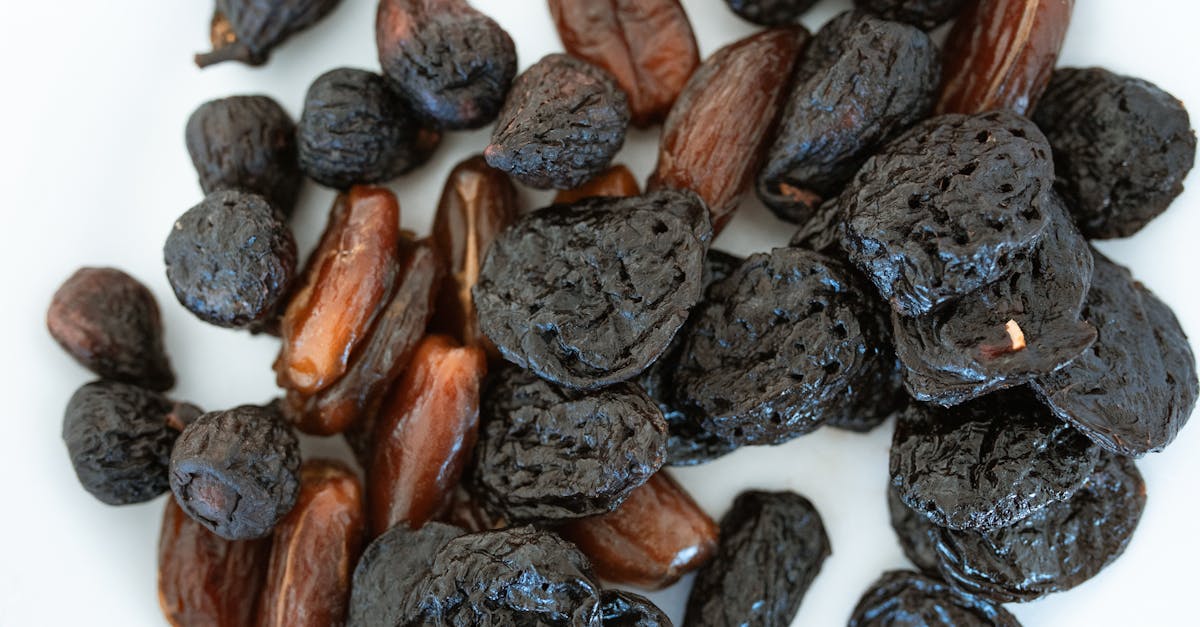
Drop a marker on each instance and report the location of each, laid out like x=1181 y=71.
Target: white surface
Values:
x=94 y=170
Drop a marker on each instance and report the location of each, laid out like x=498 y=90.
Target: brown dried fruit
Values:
x=247 y=30
x=615 y=181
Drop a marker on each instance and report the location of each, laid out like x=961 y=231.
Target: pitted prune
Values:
x=237 y=471
x=770 y=12
x=772 y=547
x=615 y=181
x=246 y=143
x=247 y=30
x=861 y=82
x=988 y=463
x=1122 y=148
x=562 y=123
x=1135 y=388
x=590 y=294
x=926 y=14
x=619 y=608
x=548 y=453
x=906 y=598
x=231 y=259
x=946 y=209
x=109 y=322
x=913 y=531
x=452 y=63
x=391 y=570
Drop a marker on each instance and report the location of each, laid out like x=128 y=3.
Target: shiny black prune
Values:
x=390 y=572
x=946 y=208
x=247 y=30
x=770 y=12
x=772 y=547
x=561 y=125
x=913 y=531
x=591 y=293
x=926 y=14
x=1136 y=387
x=231 y=259
x=861 y=82
x=246 y=143
x=626 y=609
x=1122 y=148
x=906 y=598
x=356 y=129
x=549 y=453
x=237 y=471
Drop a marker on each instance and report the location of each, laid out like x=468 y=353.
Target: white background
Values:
x=94 y=171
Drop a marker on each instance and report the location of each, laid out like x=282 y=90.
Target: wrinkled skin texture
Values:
x=1122 y=148
x=988 y=463
x=912 y=530
x=1136 y=387
x=246 y=143
x=390 y=570
x=109 y=322
x=466 y=512
x=902 y=599
x=562 y=123
x=626 y=609
x=615 y=181
x=926 y=14
x=944 y=210
x=861 y=82
x=770 y=12
x=772 y=547
x=237 y=471
x=231 y=259
x=824 y=231
x=548 y=453
x=452 y=63
x=247 y=30
x=590 y=294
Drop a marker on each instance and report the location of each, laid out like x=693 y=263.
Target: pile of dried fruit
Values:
x=514 y=384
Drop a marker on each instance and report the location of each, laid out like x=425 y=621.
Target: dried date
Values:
x=926 y=14
x=390 y=570
x=247 y=30
x=616 y=181
x=770 y=12
x=905 y=598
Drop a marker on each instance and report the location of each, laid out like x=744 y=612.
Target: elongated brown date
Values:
x=615 y=181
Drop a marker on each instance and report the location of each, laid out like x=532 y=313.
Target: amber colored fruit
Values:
x=425 y=431
x=314 y=550
x=204 y=579
x=1001 y=53
x=713 y=140
x=656 y=536
x=615 y=181
x=647 y=45
x=344 y=291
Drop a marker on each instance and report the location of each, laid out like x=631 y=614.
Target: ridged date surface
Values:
x=615 y=181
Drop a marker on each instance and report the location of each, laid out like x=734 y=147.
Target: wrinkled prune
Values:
x=770 y=12
x=619 y=608
x=453 y=63
x=824 y=231
x=988 y=463
x=709 y=151
x=390 y=570
x=548 y=453
x=861 y=82
x=231 y=259
x=562 y=123
x=247 y=30
x=615 y=181
x=1122 y=148
x=647 y=45
x=926 y=14
x=906 y=598
x=590 y=294
x=246 y=143
x=913 y=530
x=236 y=471
x=1135 y=388
x=109 y=322
x=946 y=209
x=772 y=547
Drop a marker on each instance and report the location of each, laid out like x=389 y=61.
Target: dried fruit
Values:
x=390 y=570
x=466 y=512
x=647 y=45
x=247 y=30
x=905 y=598
x=912 y=529
x=616 y=181
x=926 y=14
x=770 y=12
x=620 y=608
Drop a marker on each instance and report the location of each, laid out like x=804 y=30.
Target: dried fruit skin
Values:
x=109 y=322
x=231 y=259
x=617 y=181
x=647 y=45
x=925 y=14
x=770 y=12
x=247 y=30
x=236 y=471
x=562 y=123
x=655 y=537
x=906 y=598
x=390 y=569
x=772 y=547
x=590 y=294
x=246 y=143
x=715 y=154
x=1001 y=53
x=912 y=530
x=1122 y=148
x=620 y=608
x=468 y=513
x=452 y=63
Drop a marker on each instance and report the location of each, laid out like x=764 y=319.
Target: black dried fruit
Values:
x=246 y=143
x=237 y=471
x=231 y=259
x=247 y=30
x=772 y=547
x=356 y=129
x=906 y=598
x=1122 y=148
x=945 y=209
x=620 y=608
x=926 y=14
x=562 y=123
x=1136 y=387
x=548 y=453
x=452 y=63
x=590 y=294
x=390 y=570
x=913 y=531
x=988 y=463
x=824 y=231
x=109 y=322
x=770 y=12
x=861 y=82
